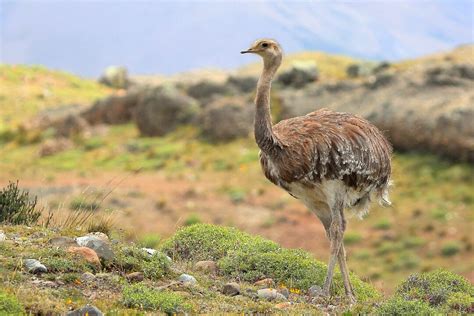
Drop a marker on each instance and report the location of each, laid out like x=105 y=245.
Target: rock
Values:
x=283 y=305
x=54 y=146
x=208 y=266
x=151 y=252
x=270 y=294
x=3 y=237
x=87 y=277
x=265 y=283
x=315 y=291
x=88 y=310
x=115 y=77
x=63 y=242
x=135 y=277
x=205 y=91
x=72 y=125
x=34 y=266
x=284 y=291
x=115 y=109
x=101 y=247
x=187 y=279
x=163 y=109
x=244 y=84
x=231 y=289
x=100 y=235
x=87 y=253
x=299 y=74
x=227 y=118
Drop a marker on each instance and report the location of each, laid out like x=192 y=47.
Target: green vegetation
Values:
x=451 y=248
x=149 y=241
x=398 y=306
x=192 y=219
x=59 y=260
x=209 y=242
x=133 y=259
x=143 y=297
x=9 y=304
x=16 y=206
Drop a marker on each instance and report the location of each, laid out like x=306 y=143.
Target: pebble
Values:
x=102 y=249
x=89 y=310
x=231 y=289
x=284 y=291
x=135 y=277
x=62 y=241
x=315 y=291
x=87 y=253
x=268 y=282
x=186 y=278
x=87 y=277
x=34 y=266
x=207 y=266
x=3 y=237
x=270 y=294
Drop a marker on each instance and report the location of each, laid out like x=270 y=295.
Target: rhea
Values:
x=331 y=161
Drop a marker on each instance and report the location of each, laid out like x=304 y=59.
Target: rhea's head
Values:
x=268 y=49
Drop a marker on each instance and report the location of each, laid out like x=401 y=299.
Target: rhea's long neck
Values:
x=264 y=136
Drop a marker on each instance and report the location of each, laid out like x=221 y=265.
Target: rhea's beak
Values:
x=247 y=51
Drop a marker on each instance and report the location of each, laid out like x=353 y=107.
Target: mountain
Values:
x=169 y=37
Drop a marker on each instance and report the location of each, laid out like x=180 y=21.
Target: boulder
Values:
x=243 y=84
x=231 y=289
x=207 y=266
x=187 y=279
x=299 y=74
x=87 y=253
x=270 y=295
x=115 y=77
x=34 y=266
x=204 y=91
x=115 y=109
x=88 y=310
x=163 y=109
x=227 y=119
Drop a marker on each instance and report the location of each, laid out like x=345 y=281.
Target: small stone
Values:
x=283 y=305
x=207 y=266
x=186 y=278
x=63 y=242
x=315 y=291
x=89 y=310
x=268 y=282
x=102 y=248
x=34 y=266
x=87 y=277
x=270 y=294
x=135 y=277
x=284 y=291
x=231 y=289
x=87 y=253
x=99 y=235
x=3 y=237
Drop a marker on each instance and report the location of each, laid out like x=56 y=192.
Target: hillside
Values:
x=151 y=186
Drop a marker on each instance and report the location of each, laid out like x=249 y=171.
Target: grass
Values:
x=9 y=304
x=145 y=298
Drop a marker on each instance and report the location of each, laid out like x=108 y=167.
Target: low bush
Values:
x=9 y=304
x=134 y=259
x=59 y=260
x=142 y=297
x=450 y=248
x=439 y=288
x=17 y=207
x=209 y=242
x=398 y=306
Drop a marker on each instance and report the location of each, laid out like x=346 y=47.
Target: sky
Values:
x=166 y=37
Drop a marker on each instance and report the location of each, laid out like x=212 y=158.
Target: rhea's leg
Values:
x=336 y=231
x=345 y=274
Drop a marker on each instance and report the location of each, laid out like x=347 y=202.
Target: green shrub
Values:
x=398 y=306
x=435 y=288
x=192 y=219
x=209 y=242
x=462 y=302
x=383 y=224
x=142 y=297
x=9 y=304
x=293 y=267
x=134 y=259
x=149 y=241
x=59 y=260
x=351 y=238
x=16 y=206
x=450 y=248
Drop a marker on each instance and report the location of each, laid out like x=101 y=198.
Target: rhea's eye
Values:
x=264 y=44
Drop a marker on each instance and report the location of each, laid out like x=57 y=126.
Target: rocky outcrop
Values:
x=299 y=74
x=227 y=119
x=163 y=109
x=429 y=109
